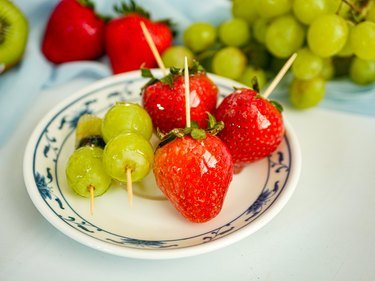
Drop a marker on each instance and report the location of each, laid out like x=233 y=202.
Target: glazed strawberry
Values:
x=194 y=172
x=126 y=44
x=254 y=126
x=73 y=32
x=164 y=99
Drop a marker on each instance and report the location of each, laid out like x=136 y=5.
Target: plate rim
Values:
x=140 y=253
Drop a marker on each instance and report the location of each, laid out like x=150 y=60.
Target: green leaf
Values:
x=255 y=84
x=211 y=121
x=194 y=124
x=167 y=80
x=87 y=3
x=198 y=134
x=132 y=7
x=278 y=106
x=146 y=73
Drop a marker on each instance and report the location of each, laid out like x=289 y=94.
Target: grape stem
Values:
x=351 y=5
x=91 y=188
x=129 y=185
x=187 y=94
x=279 y=76
x=153 y=48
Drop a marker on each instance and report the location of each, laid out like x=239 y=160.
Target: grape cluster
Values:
x=333 y=38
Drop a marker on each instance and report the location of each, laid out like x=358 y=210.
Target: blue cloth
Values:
x=20 y=86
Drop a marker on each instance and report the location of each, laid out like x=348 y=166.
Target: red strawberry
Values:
x=164 y=100
x=126 y=44
x=254 y=126
x=194 y=172
x=74 y=32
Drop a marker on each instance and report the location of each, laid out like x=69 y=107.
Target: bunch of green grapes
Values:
x=332 y=38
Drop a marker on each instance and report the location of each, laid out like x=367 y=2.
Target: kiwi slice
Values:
x=13 y=34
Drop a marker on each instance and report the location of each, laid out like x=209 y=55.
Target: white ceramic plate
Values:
x=151 y=228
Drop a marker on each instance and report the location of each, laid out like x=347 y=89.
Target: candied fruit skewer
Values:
x=84 y=171
x=127 y=128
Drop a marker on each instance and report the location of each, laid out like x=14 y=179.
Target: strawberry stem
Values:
x=194 y=131
x=132 y=7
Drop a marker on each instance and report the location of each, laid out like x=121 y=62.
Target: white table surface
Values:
x=325 y=232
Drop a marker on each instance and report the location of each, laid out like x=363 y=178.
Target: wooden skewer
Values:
x=91 y=189
x=153 y=48
x=2 y=68
x=187 y=94
x=129 y=185
x=279 y=76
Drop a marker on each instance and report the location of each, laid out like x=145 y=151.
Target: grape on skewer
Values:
x=84 y=171
x=127 y=128
x=128 y=158
x=126 y=117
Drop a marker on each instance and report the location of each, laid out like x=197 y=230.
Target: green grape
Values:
x=347 y=50
x=249 y=73
x=200 y=36
x=307 y=65
x=273 y=8
x=126 y=117
x=234 y=32
x=174 y=56
x=370 y=16
x=306 y=93
x=229 y=62
x=85 y=169
x=307 y=10
x=128 y=151
x=259 y=29
x=362 y=72
x=284 y=36
x=327 y=35
x=362 y=40
x=245 y=9
x=88 y=131
x=328 y=70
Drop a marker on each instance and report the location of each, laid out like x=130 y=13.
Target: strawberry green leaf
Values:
x=278 y=106
x=87 y=3
x=211 y=121
x=132 y=7
x=167 y=80
x=146 y=73
x=196 y=68
x=198 y=134
x=255 y=84
x=194 y=124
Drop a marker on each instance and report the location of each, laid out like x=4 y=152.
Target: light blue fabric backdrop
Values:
x=20 y=86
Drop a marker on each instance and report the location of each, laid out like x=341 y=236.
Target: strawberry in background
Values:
x=125 y=43
x=73 y=32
